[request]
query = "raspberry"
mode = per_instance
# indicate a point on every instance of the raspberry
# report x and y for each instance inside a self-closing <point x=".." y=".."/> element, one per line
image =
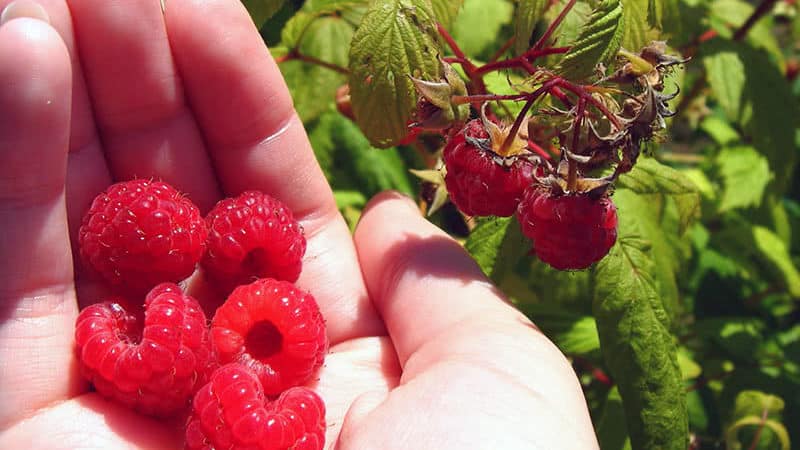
<point x="274" y="329"/>
<point x="480" y="181"/>
<point x="231" y="412"/>
<point x="252" y="236"/>
<point x="140" y="233"/>
<point x="154" y="369"/>
<point x="569" y="232"/>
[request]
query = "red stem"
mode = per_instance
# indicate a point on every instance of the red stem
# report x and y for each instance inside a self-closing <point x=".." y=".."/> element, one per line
<point x="581" y="93"/>
<point x="552" y="28"/>
<point x="462" y="99"/>
<point x="521" y="116"/>
<point x="499" y="53"/>
<point x="764" y="7"/>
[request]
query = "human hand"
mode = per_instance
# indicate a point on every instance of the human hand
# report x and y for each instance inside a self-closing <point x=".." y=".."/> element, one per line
<point x="425" y="352"/>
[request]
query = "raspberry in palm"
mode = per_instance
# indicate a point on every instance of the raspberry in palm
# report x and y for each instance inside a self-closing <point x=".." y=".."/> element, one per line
<point x="154" y="367"/>
<point x="273" y="328"/>
<point x="252" y="236"/>
<point x="140" y="233"/>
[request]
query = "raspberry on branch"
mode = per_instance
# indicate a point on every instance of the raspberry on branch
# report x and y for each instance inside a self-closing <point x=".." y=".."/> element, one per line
<point x="273" y="328"/>
<point x="232" y="412"/>
<point x="484" y="176"/>
<point x="570" y="231"/>
<point x="140" y="233"/>
<point x="252" y="236"/>
<point x="154" y="367"/>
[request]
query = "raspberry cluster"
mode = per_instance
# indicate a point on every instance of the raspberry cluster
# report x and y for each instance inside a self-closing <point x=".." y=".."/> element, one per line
<point x="238" y="377"/>
<point x="490" y="174"/>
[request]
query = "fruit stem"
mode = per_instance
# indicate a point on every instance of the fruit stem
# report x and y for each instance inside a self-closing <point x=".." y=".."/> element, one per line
<point x="523" y="60"/>
<point x="477" y="99"/>
<point x="521" y="116"/>
<point x="572" y="174"/>
<point x="552" y="28"/>
<point x="582" y="94"/>
<point x="295" y="55"/>
<point x="476" y="81"/>
<point x="499" y="53"/>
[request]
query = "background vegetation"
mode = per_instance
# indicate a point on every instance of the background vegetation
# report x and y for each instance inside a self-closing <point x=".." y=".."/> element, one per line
<point x="697" y="304"/>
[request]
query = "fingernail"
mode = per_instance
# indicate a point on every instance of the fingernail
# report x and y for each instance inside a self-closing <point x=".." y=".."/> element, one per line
<point x="23" y="8"/>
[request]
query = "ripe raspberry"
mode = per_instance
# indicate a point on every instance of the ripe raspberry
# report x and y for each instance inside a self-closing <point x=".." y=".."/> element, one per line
<point x="569" y="232"/>
<point x="231" y="412"/>
<point x="154" y="369"/>
<point x="480" y="181"/>
<point x="274" y="329"/>
<point x="140" y="233"/>
<point x="252" y="236"/>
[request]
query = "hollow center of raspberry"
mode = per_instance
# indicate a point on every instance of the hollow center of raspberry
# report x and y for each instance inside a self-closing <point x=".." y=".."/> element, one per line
<point x="256" y="262"/>
<point x="263" y="340"/>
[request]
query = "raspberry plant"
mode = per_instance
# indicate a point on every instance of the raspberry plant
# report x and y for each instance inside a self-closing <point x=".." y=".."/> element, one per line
<point x="680" y="115"/>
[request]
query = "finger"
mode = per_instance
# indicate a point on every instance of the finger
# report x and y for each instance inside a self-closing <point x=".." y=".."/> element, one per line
<point x="87" y="173"/>
<point x="37" y="301"/>
<point x="256" y="141"/>
<point x="91" y="422"/>
<point x="146" y="128"/>
<point x="443" y="315"/>
<point x="421" y="281"/>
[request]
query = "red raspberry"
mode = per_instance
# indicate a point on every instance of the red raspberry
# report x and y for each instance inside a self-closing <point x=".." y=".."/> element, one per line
<point x="481" y="182"/>
<point x="154" y="369"/>
<point x="231" y="412"/>
<point x="274" y="329"/>
<point x="140" y="233"/>
<point x="569" y="232"/>
<point x="252" y="236"/>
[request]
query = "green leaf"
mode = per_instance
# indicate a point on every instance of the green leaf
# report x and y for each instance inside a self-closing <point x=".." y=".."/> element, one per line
<point x="331" y="6"/>
<point x="478" y="25"/>
<point x="760" y="414"/>
<point x="396" y="38"/>
<point x="719" y="130"/>
<point x="612" y="433"/>
<point x="374" y="169"/>
<point x="262" y="10"/>
<point x="327" y="39"/>
<point x="759" y="251"/>
<point x="636" y="24"/>
<point x="655" y="12"/>
<point x="497" y="244"/>
<point x="638" y="348"/>
<point x="351" y="164"/>
<point x="567" y="33"/>
<point x="729" y="15"/>
<point x="575" y="334"/>
<point x="528" y="13"/>
<point x="689" y="368"/>
<point x="294" y="30"/>
<point x="725" y="73"/>
<point x="745" y="175"/>
<point x="646" y="215"/>
<point x="446" y="11"/>
<point x="597" y="43"/>
<point x="774" y="253"/>
<point x="737" y="337"/>
<point x="649" y="177"/>
<point x="752" y="91"/>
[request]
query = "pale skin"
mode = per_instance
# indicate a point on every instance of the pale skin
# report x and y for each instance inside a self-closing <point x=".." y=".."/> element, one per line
<point x="425" y="351"/>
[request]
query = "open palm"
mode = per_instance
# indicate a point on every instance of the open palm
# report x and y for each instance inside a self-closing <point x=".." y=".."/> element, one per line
<point x="425" y="353"/>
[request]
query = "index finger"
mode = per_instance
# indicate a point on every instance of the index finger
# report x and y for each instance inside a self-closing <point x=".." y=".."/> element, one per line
<point x="256" y="141"/>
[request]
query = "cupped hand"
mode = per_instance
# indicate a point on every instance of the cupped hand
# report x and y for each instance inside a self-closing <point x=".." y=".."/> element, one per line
<point x="425" y="352"/>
